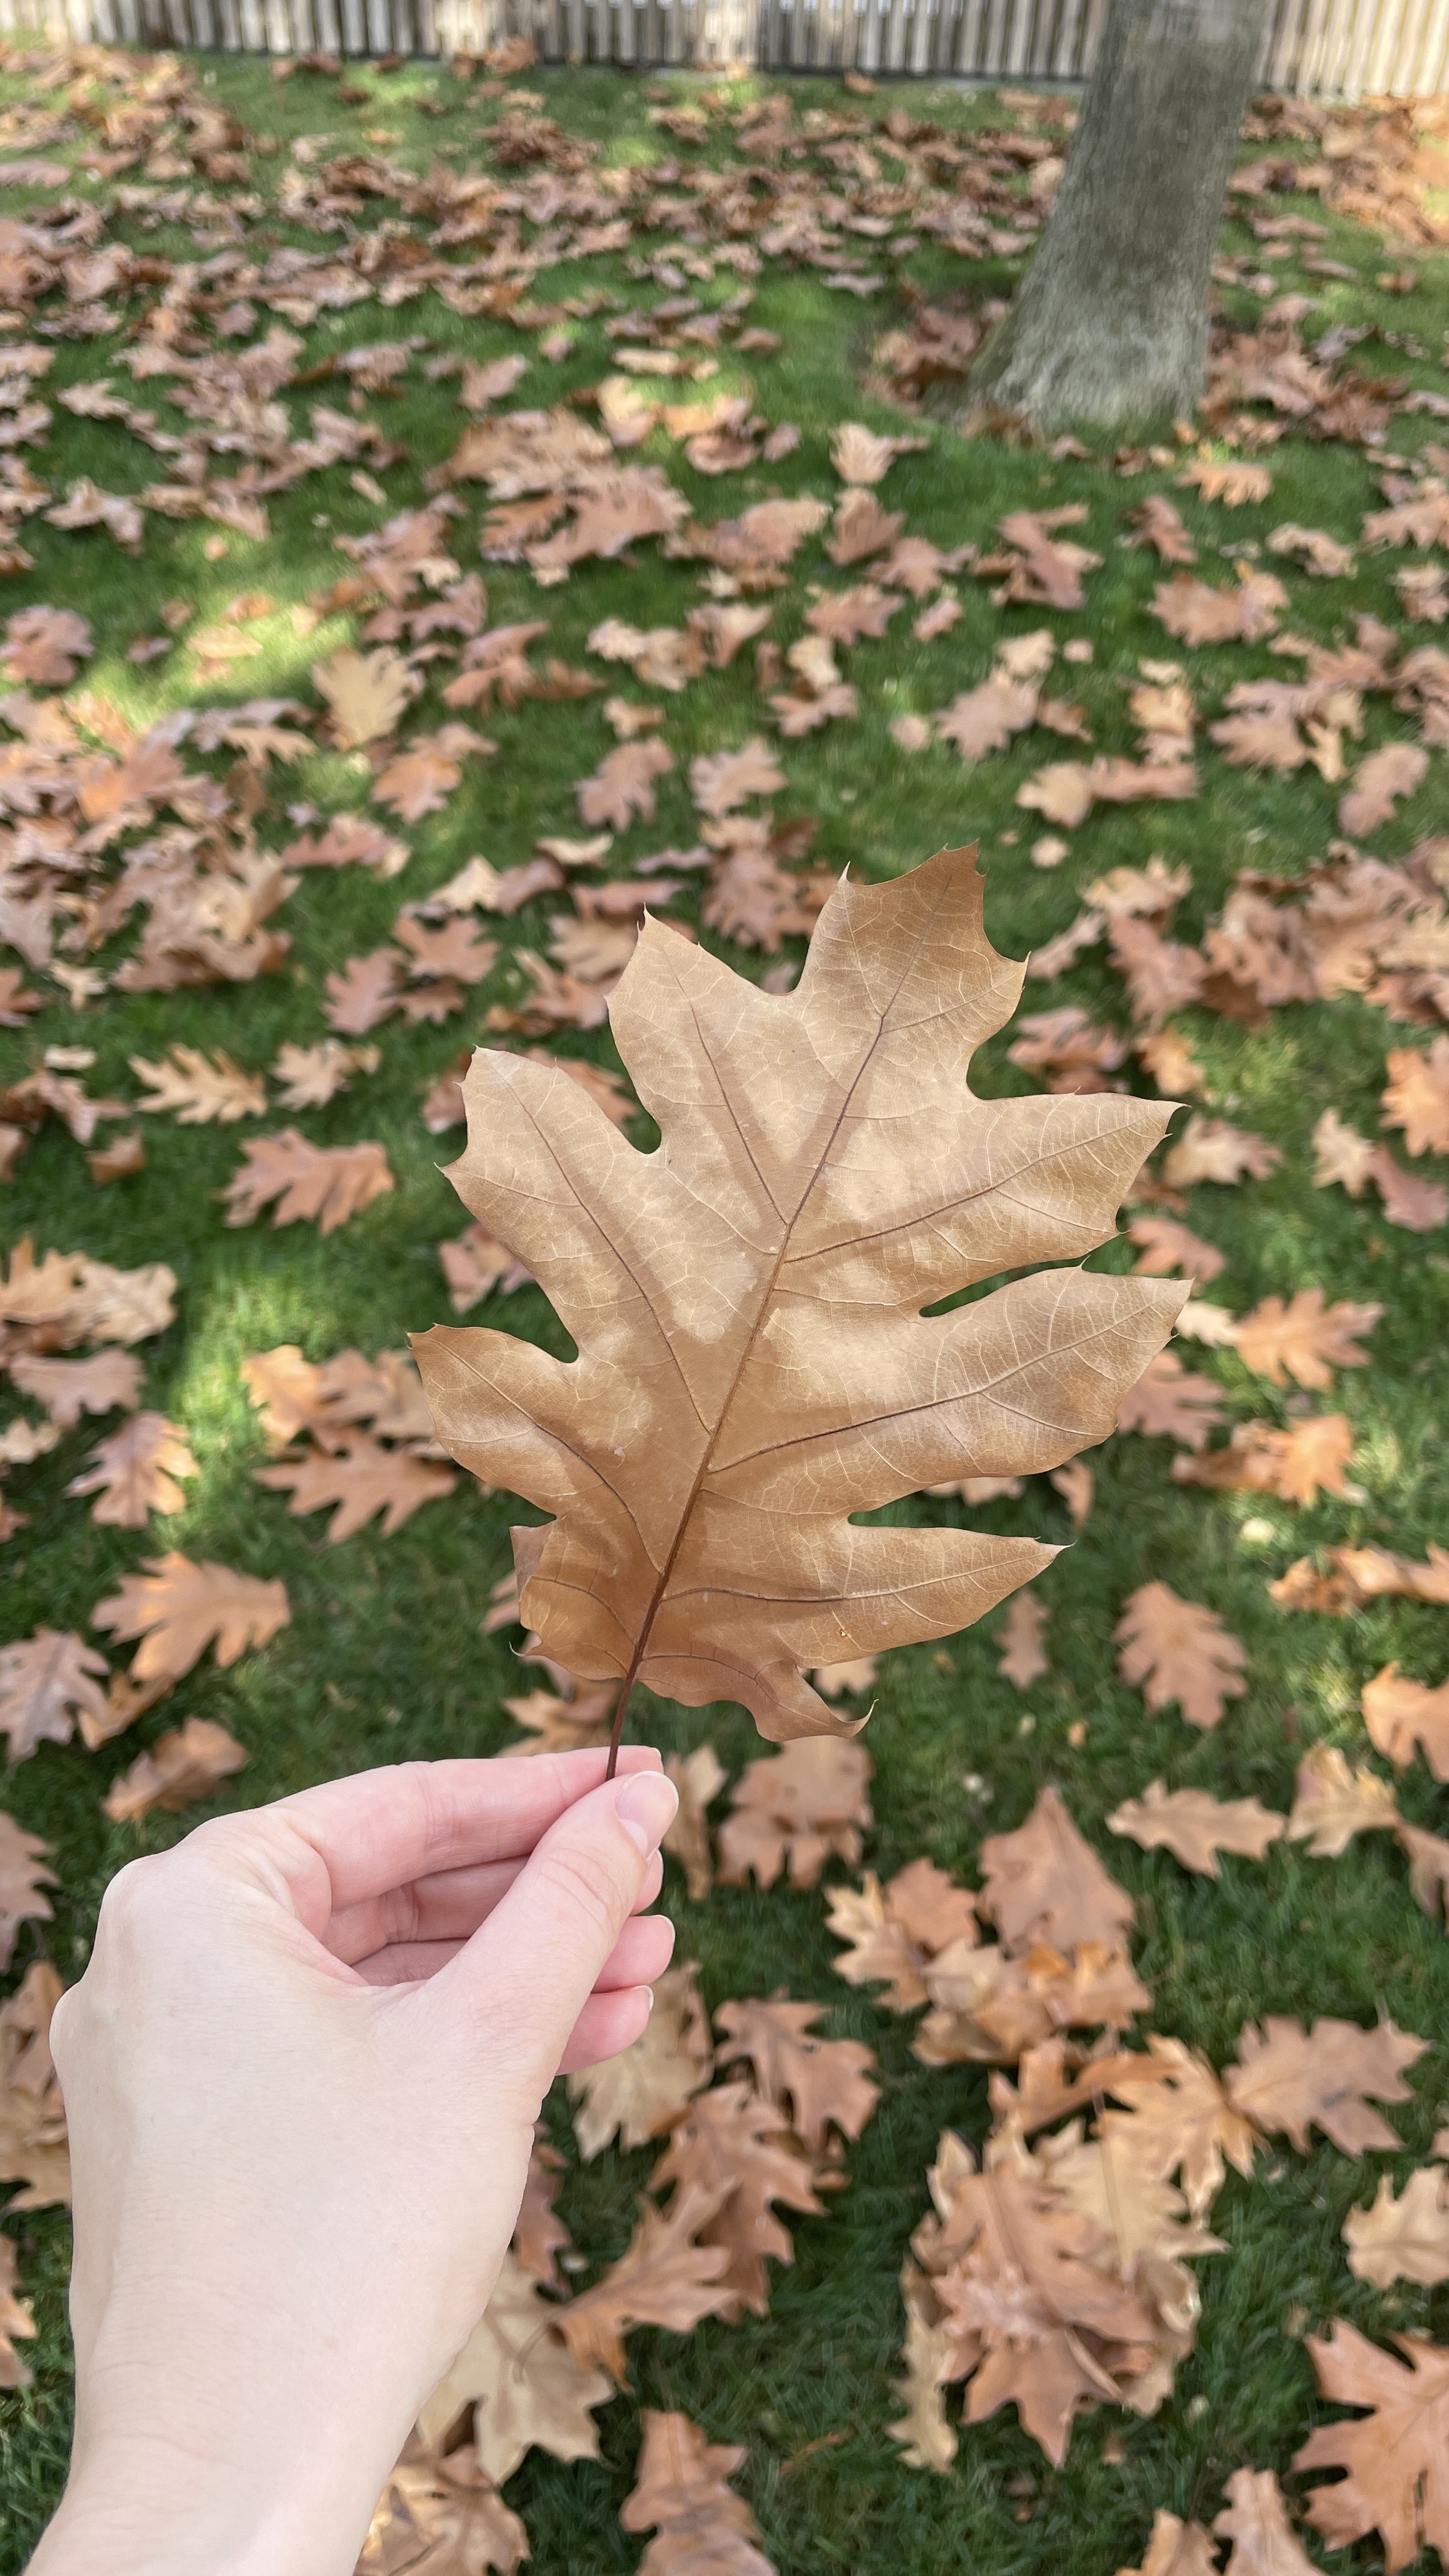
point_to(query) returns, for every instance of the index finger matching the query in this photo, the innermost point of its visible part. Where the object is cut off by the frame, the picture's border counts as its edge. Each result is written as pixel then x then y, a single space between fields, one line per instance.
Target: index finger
pixel 380 1829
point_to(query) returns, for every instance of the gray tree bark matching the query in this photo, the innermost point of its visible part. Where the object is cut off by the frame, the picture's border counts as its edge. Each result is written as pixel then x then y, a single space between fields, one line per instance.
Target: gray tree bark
pixel 1110 323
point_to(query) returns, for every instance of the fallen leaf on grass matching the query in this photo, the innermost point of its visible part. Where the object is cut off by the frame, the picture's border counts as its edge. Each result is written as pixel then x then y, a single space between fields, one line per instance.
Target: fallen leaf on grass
pixel 812 2083
pixel 1291 2079
pixel 311 1076
pixel 1172 1402
pixel 1044 1883
pixel 896 1931
pixel 364 992
pixel 641 2092
pixel 733 2150
pixel 1305 1339
pixel 800 1806
pixel 33 2147
pixel 69 1388
pixel 474 1264
pixel 1209 1149
pixel 699 1777
pixel 1022 1659
pixel 325 1183
pixel 1195 1827
pixel 561 1725
pixel 1333 1801
pixel 196 1088
pixel 622 787
pixel 24 1877
pixel 135 1470
pixel 1231 480
pixel 523 2383
pixel 1394 2456
pixel 15 2319
pixel 1176 2548
pixel 367 693
pixel 183 1765
pixel 1405 2239
pixel 1198 614
pixel 667 2278
pixel 1179 1651
pixel 362 1478
pixel 673 1001
pixel 1401 1714
pixel 1381 782
pixel 1256 2521
pixel 47 1682
pixel 178 1609
pixel 1416 1097
pixel 680 2495
pixel 722 781
pixel 1164 1246
pixel 1296 1465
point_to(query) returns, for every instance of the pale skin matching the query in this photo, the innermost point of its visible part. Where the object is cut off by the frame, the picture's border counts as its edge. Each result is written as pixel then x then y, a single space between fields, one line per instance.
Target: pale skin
pixel 301 2073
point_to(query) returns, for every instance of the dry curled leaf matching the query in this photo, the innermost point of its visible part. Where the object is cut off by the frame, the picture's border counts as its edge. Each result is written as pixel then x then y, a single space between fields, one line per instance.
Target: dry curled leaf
pixel 362 1478
pixel 135 1471
pixel 1023 1659
pixel 15 2319
pixel 523 2384
pixel 747 1412
pixel 24 1877
pixel 812 2083
pixel 1333 1801
pixel 33 2147
pixel 1195 1827
pixel 1405 2239
pixel 698 1777
pixel 1176 2548
pixel 1172 1402
pixel 732 2148
pixel 1255 2520
pixel 666 2278
pixel 1416 1097
pixel 894 1932
pixel 195 1087
pixel 1401 1714
pixel 1177 1650
pixel 1305 1340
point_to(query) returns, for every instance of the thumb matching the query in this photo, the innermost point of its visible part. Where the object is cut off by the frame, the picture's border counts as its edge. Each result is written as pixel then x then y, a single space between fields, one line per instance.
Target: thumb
pixel 523 1979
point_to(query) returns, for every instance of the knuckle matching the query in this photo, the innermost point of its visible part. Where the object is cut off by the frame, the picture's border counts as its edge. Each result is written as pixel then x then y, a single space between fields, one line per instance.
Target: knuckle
pixel 583 1881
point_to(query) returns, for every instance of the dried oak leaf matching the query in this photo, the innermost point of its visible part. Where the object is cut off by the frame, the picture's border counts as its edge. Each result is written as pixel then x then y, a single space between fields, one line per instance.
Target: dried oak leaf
pixel 701 2527
pixel 642 2091
pixel 15 2319
pixel 800 1806
pixel 1179 1650
pixel 1044 1883
pixel 33 2146
pixel 822 2081
pixel 178 1609
pixel 731 2145
pixel 666 2278
pixel 44 647
pixel 1176 2548
pixel 1296 1465
pixel 69 1388
pixel 623 784
pixel 364 992
pixel 524 2385
pixel 196 1087
pixel 366 692
pixel 894 1932
pixel 1405 2239
pixel 1400 1713
pixel 1022 1659
pixel 1198 614
pixel 989 2005
pixel 721 781
pixel 362 1478
pixel 1209 1149
pixel 1172 1402
pixel 1332 1802
pixel 540 2235
pixel 1178 2122
pixel 185 1764
pixel 1292 2079
pixel 135 1471
pixel 1195 1827
pixel 1380 783
pixel 47 1681
pixel 1395 2458
pixel 698 1777
pixel 1416 1097
pixel 1305 1339
pixel 821 1155
pixel 443 2515
pixel 1256 2521
pixel 23 1880
pixel 326 1183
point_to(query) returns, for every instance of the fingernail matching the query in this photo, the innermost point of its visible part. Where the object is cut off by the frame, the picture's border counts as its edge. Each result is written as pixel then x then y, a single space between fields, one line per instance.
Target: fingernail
pixel 646 1807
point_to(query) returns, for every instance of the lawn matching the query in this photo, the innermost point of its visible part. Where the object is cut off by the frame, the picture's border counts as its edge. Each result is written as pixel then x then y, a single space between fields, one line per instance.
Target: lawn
pixel 385 1656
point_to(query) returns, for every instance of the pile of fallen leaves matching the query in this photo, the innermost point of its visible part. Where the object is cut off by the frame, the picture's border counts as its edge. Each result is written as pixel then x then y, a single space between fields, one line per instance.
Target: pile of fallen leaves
pixel 147 866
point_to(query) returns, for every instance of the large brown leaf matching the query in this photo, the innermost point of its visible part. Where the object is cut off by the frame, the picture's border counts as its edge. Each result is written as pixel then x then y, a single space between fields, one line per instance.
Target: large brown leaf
pixel 754 1364
pixel 699 2523
pixel 1397 2483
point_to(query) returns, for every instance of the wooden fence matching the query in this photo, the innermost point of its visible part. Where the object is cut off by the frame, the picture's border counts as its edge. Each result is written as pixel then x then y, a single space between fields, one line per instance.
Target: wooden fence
pixel 1323 48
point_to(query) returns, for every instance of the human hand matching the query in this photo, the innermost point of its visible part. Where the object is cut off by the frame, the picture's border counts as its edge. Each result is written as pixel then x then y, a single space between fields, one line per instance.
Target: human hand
pixel 301 2073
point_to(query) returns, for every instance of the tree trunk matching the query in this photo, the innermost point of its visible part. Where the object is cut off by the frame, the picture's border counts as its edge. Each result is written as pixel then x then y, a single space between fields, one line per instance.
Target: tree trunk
pixel 1110 323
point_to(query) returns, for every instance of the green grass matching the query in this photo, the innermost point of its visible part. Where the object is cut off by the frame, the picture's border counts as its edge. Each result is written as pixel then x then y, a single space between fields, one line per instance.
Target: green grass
pixel 384 1657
